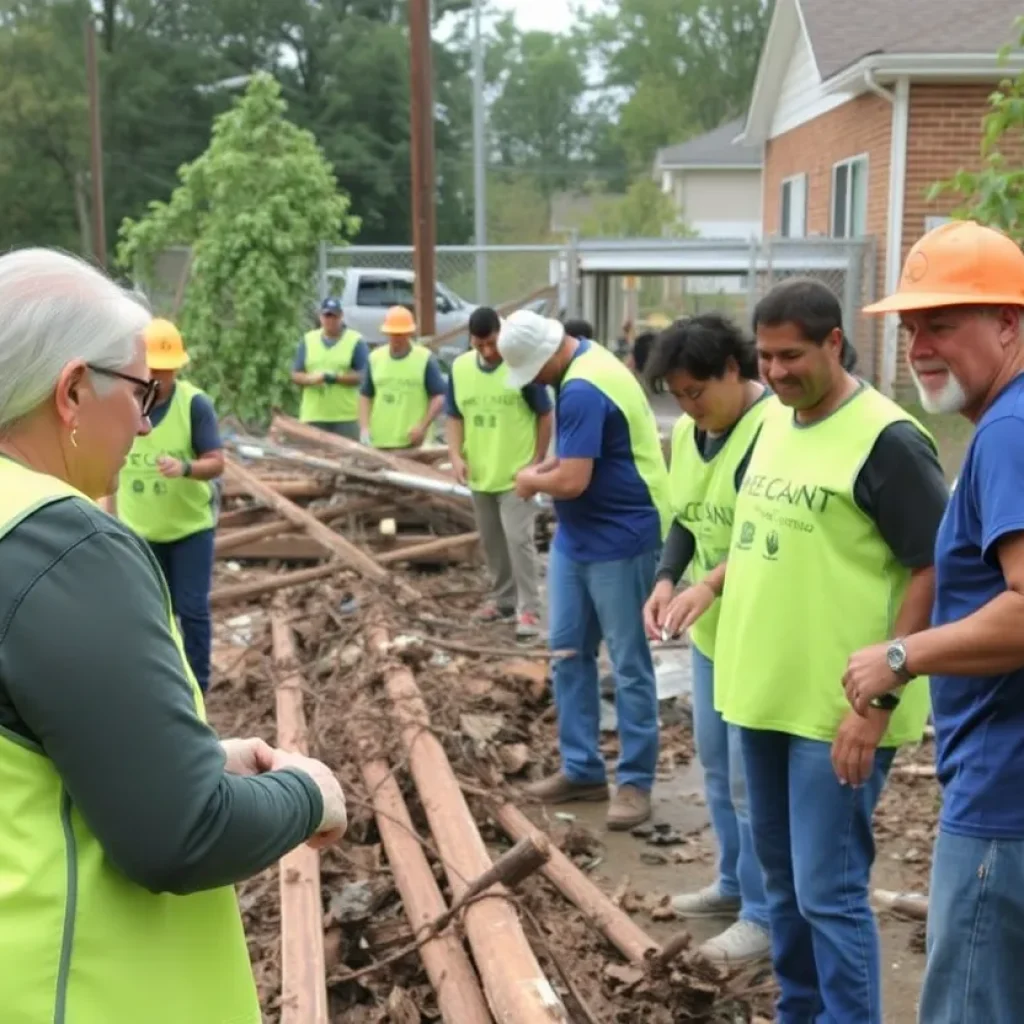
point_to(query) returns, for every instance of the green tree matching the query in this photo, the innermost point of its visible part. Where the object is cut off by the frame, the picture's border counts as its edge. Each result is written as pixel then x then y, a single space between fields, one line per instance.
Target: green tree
pixel 252 208
pixel 686 66
pixel 995 194
pixel 644 211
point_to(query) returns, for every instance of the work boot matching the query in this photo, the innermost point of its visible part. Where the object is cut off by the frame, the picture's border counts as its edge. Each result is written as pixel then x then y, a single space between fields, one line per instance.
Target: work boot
pixel 528 626
pixel 490 612
pixel 741 943
pixel 629 807
pixel 706 902
pixel 559 789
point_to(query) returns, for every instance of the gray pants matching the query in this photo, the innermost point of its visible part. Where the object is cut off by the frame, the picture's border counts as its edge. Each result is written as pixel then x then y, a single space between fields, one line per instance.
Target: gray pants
pixel 506 528
pixel 343 428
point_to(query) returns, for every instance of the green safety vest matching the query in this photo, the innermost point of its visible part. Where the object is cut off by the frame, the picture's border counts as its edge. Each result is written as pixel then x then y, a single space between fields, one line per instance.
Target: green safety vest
pixel 156 508
pixel 499 428
pixel 400 399
pixel 810 579
pixel 80 943
pixel 602 369
pixel 330 403
pixel 703 500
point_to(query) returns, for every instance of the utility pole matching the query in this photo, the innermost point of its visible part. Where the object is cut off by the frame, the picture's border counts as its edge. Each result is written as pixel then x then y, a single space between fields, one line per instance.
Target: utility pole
pixel 99 229
pixel 421 110
pixel 479 156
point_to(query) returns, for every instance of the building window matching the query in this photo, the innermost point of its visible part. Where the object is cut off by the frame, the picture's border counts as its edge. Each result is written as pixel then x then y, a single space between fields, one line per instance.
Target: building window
pixel 850 198
pixel 793 218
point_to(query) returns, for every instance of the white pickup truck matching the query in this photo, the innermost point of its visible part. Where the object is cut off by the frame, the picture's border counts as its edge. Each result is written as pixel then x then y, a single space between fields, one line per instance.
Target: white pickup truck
pixel 366 294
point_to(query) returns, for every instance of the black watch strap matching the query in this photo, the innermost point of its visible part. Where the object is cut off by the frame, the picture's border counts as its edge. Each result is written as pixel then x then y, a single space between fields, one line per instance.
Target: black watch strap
pixel 887 702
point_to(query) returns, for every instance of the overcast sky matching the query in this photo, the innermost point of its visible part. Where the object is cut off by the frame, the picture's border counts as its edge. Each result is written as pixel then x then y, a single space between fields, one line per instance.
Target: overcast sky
pixel 551 15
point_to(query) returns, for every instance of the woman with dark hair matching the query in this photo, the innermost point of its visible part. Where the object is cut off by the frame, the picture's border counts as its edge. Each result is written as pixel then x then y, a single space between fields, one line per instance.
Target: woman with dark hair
pixel 711 368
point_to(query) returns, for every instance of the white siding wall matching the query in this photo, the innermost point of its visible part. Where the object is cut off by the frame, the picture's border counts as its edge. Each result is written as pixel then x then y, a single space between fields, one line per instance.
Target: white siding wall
pixel 714 195
pixel 801 97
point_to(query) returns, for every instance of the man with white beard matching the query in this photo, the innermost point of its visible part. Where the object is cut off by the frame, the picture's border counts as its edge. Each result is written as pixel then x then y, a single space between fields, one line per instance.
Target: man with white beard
pixel 961 303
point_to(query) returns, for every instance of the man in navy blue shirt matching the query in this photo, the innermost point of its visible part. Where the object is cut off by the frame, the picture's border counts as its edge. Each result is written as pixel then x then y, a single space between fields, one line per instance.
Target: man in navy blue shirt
pixel 961 303
pixel 610 486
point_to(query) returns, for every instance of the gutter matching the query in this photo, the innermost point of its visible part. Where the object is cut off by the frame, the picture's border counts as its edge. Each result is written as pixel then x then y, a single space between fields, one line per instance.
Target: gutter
pixel 924 66
pixel 899 98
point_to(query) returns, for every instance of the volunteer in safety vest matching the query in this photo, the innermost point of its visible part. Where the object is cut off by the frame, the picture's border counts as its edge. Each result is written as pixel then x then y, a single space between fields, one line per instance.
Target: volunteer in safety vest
pixel 328 366
pixel 831 550
pixel 403 388
pixel 610 486
pixel 492 434
pixel 124 822
pixel 166 494
pixel 710 366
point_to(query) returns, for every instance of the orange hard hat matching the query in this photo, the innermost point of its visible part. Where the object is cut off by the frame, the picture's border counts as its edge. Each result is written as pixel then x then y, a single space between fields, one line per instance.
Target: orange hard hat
pixel 398 320
pixel 165 349
pixel 961 263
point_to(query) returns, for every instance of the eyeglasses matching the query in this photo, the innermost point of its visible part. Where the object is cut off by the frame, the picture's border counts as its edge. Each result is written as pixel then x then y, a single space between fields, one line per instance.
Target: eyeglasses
pixel 146 394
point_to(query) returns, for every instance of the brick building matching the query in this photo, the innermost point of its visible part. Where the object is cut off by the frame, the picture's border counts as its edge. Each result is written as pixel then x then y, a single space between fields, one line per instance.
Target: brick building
pixel 860 109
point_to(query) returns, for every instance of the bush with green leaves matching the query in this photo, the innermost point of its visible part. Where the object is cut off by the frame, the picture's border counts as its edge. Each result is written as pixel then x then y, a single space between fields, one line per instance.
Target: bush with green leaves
pixel 252 208
pixel 995 194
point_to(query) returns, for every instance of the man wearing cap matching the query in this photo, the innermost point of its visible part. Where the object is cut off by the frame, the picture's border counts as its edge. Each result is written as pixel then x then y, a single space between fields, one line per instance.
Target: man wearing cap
pixel 610 486
pixel 961 304
pixel 403 387
pixel 165 493
pixel 492 434
pixel 328 366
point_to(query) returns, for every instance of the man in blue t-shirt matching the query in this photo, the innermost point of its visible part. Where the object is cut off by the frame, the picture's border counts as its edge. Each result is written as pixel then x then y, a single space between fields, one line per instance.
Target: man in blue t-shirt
pixel 605 479
pixel 961 303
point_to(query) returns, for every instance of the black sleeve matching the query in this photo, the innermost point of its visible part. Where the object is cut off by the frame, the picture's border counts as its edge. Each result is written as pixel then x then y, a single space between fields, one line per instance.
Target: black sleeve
pixel 677 553
pixel 903 489
pixel 89 665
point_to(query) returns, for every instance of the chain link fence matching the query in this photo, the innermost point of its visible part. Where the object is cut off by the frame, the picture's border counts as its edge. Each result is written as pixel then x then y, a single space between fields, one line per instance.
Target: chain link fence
pixel 649 282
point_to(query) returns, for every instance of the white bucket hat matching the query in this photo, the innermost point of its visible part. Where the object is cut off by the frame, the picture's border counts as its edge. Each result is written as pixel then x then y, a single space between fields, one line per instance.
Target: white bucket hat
pixel 526 342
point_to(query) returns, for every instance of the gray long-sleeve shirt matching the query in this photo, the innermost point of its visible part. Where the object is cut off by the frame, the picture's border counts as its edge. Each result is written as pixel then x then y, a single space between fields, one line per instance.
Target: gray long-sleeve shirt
pixel 90 673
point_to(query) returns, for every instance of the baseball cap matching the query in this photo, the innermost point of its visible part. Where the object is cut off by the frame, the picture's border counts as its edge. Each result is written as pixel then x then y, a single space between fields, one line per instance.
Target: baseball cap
pixel 961 263
pixel 330 306
pixel 165 349
pixel 526 342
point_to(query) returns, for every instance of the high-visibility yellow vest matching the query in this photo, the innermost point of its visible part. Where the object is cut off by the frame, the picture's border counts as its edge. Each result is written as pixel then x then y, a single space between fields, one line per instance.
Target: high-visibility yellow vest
pixel 330 403
pixel 499 428
pixel 400 399
pixel 80 943
pixel 155 507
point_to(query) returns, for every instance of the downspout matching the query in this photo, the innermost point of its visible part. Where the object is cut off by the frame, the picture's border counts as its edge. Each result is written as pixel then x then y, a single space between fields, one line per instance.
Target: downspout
pixel 900 100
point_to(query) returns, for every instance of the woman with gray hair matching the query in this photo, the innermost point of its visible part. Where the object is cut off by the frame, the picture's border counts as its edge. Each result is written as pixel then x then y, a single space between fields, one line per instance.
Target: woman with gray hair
pixel 124 821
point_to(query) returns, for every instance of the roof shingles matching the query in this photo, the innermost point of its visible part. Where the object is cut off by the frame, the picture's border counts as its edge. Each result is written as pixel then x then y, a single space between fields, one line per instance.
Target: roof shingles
pixel 842 34
pixel 713 149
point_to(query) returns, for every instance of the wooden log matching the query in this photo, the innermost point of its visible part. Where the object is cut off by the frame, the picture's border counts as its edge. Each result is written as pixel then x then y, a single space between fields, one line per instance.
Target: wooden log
pixel 512 867
pixel 294 547
pixel 237 593
pixel 459 997
pixel 915 771
pixel 228 539
pixel 303 975
pixel 248 515
pixel 611 921
pixel 516 988
pixel 298 488
pixel 438 546
pixel 353 556
pixel 902 903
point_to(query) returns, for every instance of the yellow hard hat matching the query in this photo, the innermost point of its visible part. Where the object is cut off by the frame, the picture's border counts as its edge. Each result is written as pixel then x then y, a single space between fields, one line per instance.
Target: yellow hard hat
pixel 164 348
pixel 398 320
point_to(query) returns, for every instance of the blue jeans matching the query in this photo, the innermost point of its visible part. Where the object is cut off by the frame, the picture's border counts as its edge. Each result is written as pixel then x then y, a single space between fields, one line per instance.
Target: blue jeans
pixel 813 838
pixel 188 569
pixel 975 972
pixel 725 787
pixel 588 601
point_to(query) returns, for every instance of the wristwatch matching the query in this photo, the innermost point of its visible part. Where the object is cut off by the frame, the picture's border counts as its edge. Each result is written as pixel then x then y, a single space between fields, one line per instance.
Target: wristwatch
pixel 896 658
pixel 186 468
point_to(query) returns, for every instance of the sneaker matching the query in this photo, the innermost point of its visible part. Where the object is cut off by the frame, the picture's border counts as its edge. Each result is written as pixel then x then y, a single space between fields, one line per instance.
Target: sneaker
pixel 559 789
pixel 528 626
pixel 490 612
pixel 707 902
pixel 629 807
pixel 741 943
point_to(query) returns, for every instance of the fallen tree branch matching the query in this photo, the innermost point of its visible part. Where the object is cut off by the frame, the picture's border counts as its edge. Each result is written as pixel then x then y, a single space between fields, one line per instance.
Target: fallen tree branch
pixel 489 652
pixel 902 903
